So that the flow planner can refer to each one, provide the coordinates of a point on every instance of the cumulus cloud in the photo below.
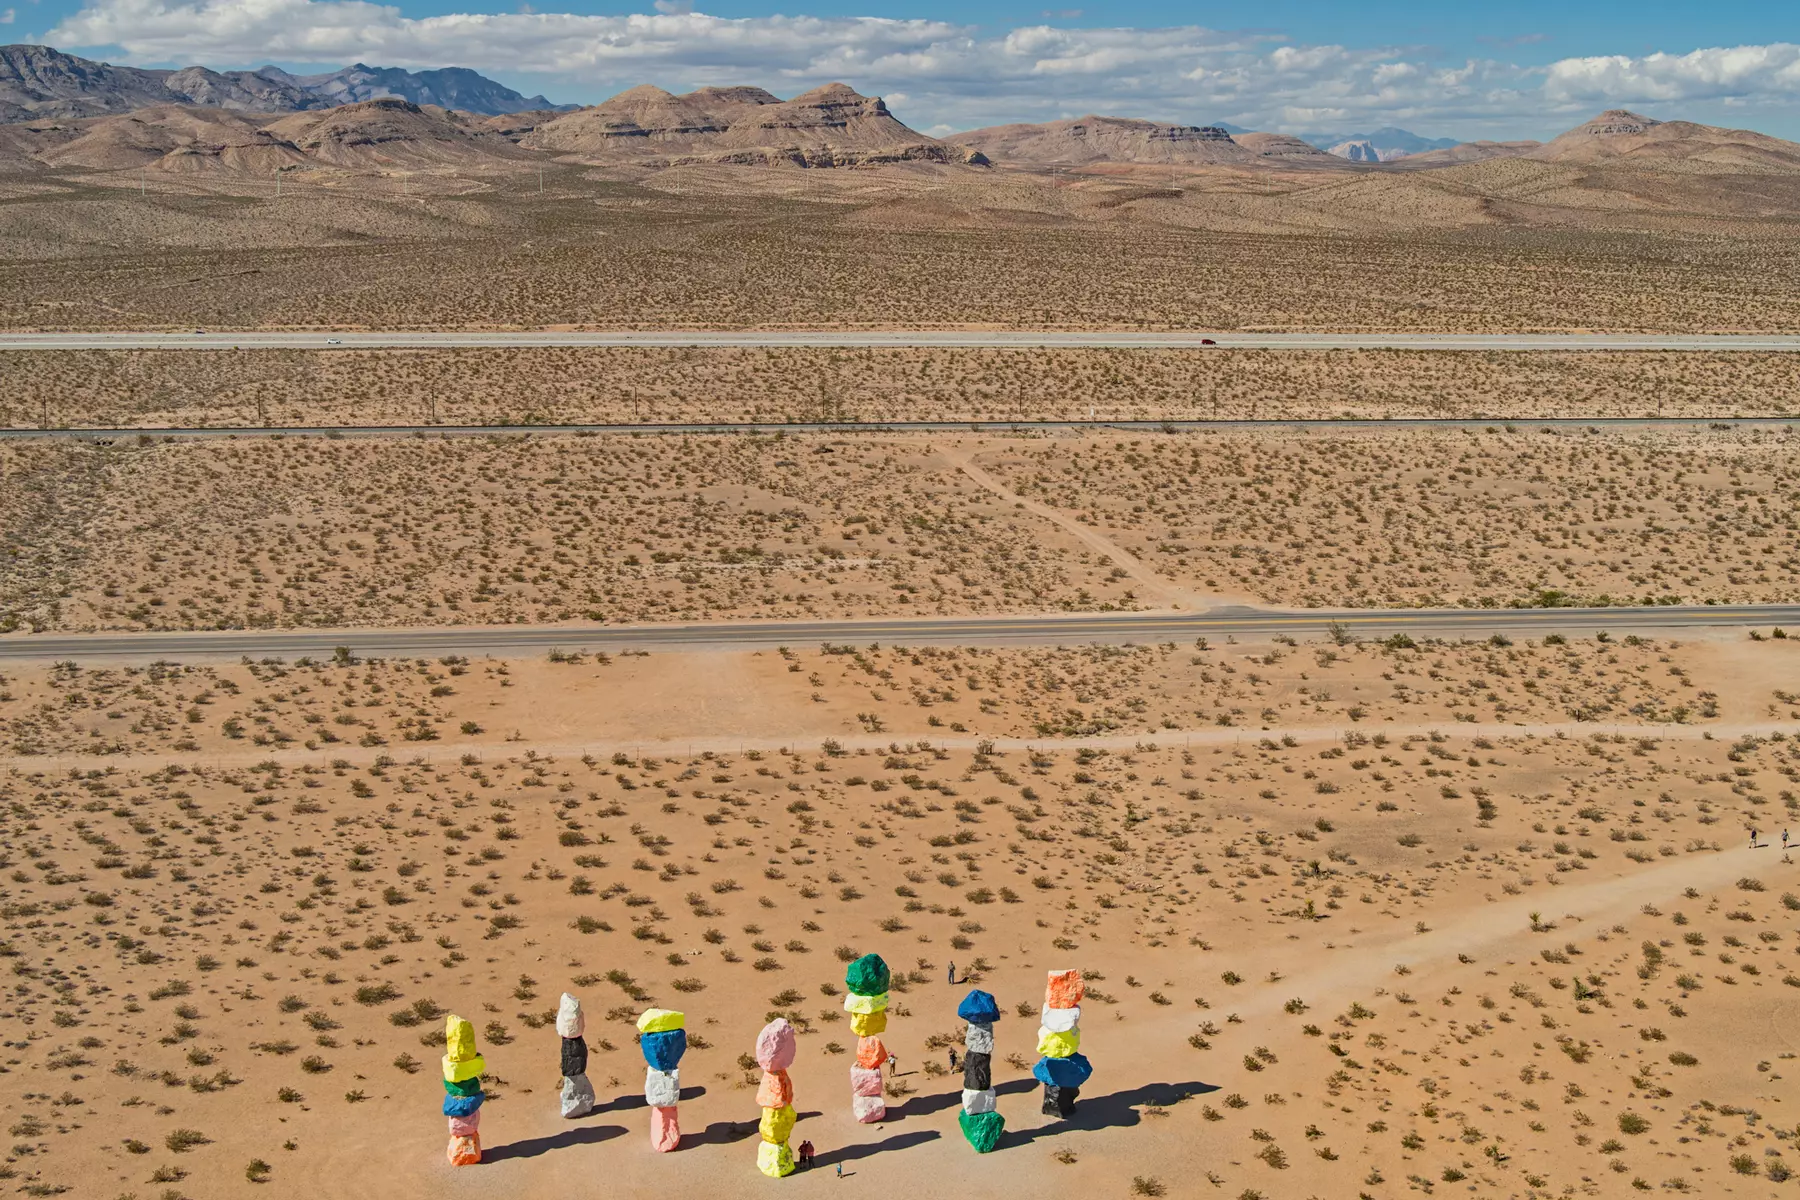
(952, 75)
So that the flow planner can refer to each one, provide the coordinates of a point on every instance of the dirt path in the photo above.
(1359, 963)
(1151, 585)
(706, 741)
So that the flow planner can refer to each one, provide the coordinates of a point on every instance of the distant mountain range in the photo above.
(39, 81)
(61, 111)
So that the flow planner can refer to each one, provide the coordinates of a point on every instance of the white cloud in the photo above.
(951, 75)
(6, 17)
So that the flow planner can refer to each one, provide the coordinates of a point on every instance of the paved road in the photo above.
(526, 641)
(857, 339)
(110, 433)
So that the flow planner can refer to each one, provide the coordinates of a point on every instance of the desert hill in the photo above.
(187, 139)
(38, 82)
(1106, 139)
(1097, 139)
(1619, 137)
(168, 137)
(831, 125)
(1285, 148)
(391, 132)
(1468, 152)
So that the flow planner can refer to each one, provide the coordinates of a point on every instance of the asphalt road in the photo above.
(512, 641)
(858, 339)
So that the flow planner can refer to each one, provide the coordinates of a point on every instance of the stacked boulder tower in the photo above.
(577, 1095)
(867, 981)
(776, 1046)
(1061, 1067)
(662, 1036)
(981, 1124)
(463, 1096)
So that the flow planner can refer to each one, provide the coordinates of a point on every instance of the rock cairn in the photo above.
(867, 981)
(463, 1069)
(981, 1124)
(775, 1049)
(1061, 1067)
(577, 1093)
(662, 1036)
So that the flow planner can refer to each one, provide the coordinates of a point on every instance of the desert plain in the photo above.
(1496, 915)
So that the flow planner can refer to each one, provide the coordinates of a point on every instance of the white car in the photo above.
(333, 342)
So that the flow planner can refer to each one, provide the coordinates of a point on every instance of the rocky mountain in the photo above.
(1384, 145)
(1619, 137)
(828, 126)
(447, 87)
(1106, 139)
(38, 82)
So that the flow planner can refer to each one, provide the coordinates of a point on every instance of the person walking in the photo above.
(893, 1064)
(952, 972)
(840, 1167)
(806, 1155)
(1784, 839)
(1753, 838)
(953, 1058)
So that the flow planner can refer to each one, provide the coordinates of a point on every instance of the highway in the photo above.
(513, 641)
(842, 339)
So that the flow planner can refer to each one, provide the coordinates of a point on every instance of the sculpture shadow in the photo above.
(627, 1103)
(921, 1106)
(581, 1135)
(902, 1141)
(724, 1133)
(1117, 1110)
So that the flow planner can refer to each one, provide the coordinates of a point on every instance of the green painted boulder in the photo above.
(982, 1130)
(868, 976)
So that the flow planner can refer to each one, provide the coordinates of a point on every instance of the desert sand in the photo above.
(1327, 953)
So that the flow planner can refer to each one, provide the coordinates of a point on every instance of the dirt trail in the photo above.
(705, 742)
(1154, 587)
(1490, 931)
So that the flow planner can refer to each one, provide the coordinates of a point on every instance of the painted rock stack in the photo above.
(775, 1049)
(462, 1092)
(1061, 1067)
(867, 980)
(577, 1093)
(662, 1036)
(981, 1125)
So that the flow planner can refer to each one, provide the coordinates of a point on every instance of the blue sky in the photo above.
(1524, 69)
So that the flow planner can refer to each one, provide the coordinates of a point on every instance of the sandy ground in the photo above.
(261, 533)
(1337, 956)
(624, 385)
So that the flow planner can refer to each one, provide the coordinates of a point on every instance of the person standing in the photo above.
(953, 1058)
(806, 1155)
(952, 972)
